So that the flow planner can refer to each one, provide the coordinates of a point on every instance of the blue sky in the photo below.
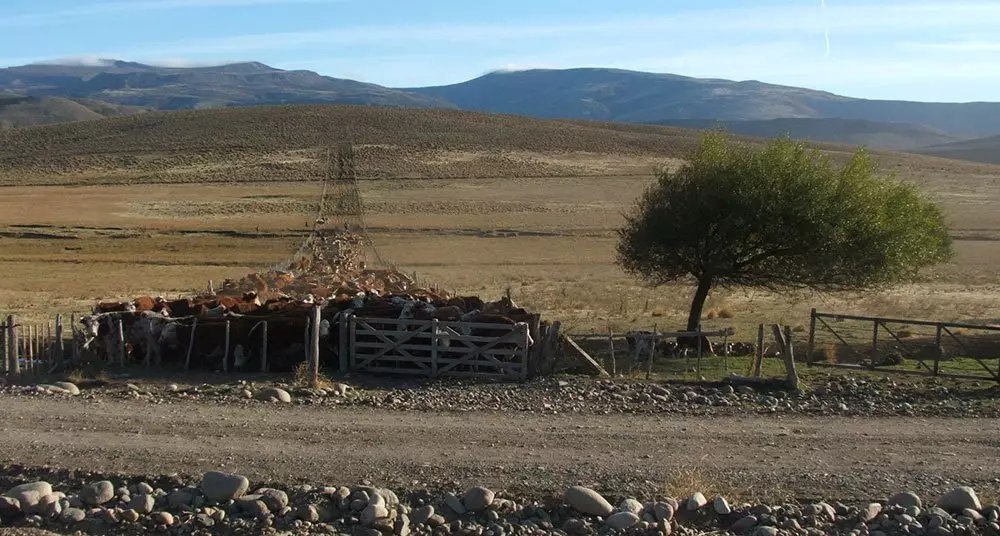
(937, 50)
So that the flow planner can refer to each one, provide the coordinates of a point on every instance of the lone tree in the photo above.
(779, 217)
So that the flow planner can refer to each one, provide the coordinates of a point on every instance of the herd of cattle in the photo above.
(228, 333)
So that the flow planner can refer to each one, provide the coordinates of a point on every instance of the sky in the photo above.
(927, 50)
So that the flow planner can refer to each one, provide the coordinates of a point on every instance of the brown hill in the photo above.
(289, 143)
(21, 111)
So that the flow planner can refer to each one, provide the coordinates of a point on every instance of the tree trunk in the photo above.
(694, 318)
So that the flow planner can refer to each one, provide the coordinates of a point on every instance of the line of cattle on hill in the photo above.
(159, 331)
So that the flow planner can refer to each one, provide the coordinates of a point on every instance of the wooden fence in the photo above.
(886, 342)
(31, 349)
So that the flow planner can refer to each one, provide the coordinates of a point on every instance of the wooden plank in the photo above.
(611, 346)
(784, 340)
(594, 365)
(120, 339)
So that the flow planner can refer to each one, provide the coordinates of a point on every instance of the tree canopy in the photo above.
(780, 216)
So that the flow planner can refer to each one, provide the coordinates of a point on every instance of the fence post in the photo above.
(698, 371)
(50, 343)
(263, 351)
(759, 356)
(187, 358)
(314, 367)
(611, 345)
(524, 354)
(652, 353)
(789, 354)
(939, 353)
(120, 335)
(811, 347)
(434, 348)
(15, 365)
(874, 343)
(225, 354)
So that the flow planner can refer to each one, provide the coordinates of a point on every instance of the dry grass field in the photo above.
(141, 205)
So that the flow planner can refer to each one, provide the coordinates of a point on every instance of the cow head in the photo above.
(240, 357)
(251, 297)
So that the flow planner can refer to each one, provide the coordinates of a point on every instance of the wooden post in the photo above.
(524, 353)
(15, 365)
(811, 348)
(611, 345)
(50, 344)
(789, 355)
(29, 349)
(211, 287)
(874, 343)
(120, 336)
(314, 368)
(434, 348)
(759, 355)
(698, 371)
(342, 321)
(652, 353)
(225, 354)
(263, 350)
(187, 358)
(939, 353)
(725, 354)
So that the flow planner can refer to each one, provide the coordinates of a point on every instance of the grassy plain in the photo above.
(93, 222)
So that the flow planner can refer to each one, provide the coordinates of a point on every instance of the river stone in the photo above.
(478, 498)
(28, 500)
(696, 502)
(130, 516)
(454, 503)
(870, 512)
(959, 499)
(163, 518)
(9, 507)
(275, 499)
(253, 505)
(142, 503)
(663, 511)
(420, 515)
(70, 387)
(72, 515)
(42, 487)
(307, 512)
(391, 499)
(743, 524)
(372, 513)
(765, 531)
(97, 493)
(631, 505)
(181, 498)
(49, 505)
(721, 506)
(221, 487)
(402, 525)
(269, 393)
(587, 501)
(906, 499)
(622, 520)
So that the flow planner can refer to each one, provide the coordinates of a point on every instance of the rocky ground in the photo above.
(224, 503)
(841, 395)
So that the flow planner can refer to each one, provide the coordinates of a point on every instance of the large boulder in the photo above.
(222, 487)
(273, 393)
(42, 487)
(959, 499)
(478, 499)
(9, 508)
(587, 501)
(97, 493)
(906, 499)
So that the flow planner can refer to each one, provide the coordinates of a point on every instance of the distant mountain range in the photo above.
(747, 107)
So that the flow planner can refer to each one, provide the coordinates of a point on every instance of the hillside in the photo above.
(165, 88)
(290, 143)
(986, 150)
(618, 95)
(888, 136)
(21, 111)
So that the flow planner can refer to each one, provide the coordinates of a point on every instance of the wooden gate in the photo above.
(433, 348)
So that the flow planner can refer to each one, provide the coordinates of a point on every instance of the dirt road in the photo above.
(845, 459)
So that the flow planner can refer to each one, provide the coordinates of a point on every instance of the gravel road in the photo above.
(799, 458)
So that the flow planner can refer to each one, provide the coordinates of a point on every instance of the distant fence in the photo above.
(31, 349)
(947, 349)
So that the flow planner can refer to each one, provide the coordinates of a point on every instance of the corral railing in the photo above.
(434, 348)
(30, 349)
(949, 349)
